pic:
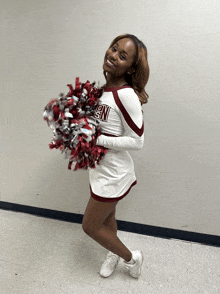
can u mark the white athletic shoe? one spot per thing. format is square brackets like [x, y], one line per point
[109, 265]
[135, 269]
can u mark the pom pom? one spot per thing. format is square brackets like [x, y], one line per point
[74, 127]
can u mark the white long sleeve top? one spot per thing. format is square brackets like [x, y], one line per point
[121, 119]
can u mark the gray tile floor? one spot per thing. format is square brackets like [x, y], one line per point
[40, 255]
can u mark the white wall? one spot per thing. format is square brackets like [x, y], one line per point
[46, 44]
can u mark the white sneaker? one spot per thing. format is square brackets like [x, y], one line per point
[135, 269]
[109, 265]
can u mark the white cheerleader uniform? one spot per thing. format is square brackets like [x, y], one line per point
[121, 120]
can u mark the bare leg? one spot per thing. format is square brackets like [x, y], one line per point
[94, 225]
[111, 222]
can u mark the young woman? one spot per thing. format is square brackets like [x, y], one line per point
[126, 71]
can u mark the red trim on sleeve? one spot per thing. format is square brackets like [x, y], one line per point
[104, 199]
[111, 89]
[126, 115]
[109, 135]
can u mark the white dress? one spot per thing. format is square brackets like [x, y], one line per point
[121, 120]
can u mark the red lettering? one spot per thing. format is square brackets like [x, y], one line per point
[102, 112]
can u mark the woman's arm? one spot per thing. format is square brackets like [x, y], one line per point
[121, 142]
[130, 112]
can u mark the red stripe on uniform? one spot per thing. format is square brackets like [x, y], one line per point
[127, 117]
[109, 135]
[104, 199]
[111, 89]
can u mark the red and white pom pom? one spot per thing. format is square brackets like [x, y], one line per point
[74, 127]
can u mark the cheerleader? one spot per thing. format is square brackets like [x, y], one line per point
[120, 114]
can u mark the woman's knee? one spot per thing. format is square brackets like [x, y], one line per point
[90, 228]
[110, 219]
[94, 216]
[86, 228]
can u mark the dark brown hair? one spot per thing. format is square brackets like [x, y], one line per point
[139, 78]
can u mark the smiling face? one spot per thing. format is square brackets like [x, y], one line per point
[119, 58]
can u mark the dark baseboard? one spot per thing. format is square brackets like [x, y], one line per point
[131, 227]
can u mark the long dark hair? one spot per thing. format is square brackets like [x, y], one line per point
[139, 78]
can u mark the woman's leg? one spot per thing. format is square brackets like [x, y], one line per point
[111, 222]
[96, 214]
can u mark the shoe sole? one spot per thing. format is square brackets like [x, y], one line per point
[140, 267]
[141, 262]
